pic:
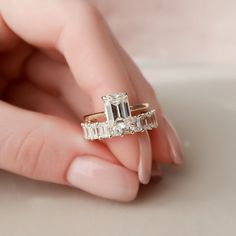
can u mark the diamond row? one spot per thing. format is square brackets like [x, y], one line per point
[102, 130]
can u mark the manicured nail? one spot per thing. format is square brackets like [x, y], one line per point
[102, 178]
[145, 158]
[156, 169]
[176, 149]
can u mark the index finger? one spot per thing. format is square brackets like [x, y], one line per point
[79, 32]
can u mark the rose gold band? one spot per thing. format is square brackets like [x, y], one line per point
[100, 116]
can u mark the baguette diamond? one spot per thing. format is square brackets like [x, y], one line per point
[134, 124]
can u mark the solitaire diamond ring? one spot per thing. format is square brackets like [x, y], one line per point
[119, 118]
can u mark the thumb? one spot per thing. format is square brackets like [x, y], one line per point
[46, 148]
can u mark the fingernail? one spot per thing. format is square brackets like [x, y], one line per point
[145, 158]
[103, 178]
[176, 149]
[156, 169]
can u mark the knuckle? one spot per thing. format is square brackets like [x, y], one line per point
[24, 152]
[90, 13]
[80, 9]
[93, 11]
[29, 153]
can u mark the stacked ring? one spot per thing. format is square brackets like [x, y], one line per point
[119, 118]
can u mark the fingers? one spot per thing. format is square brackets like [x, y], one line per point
[56, 78]
[96, 65]
[166, 145]
[95, 176]
[93, 60]
[78, 31]
[28, 96]
[45, 73]
[46, 148]
[40, 69]
[160, 144]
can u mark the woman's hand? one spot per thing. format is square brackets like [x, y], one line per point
[57, 58]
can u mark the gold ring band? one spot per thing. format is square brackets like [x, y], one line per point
[100, 116]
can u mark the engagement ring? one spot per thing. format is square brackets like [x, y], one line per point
[119, 118]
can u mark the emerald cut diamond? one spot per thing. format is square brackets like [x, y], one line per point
[116, 106]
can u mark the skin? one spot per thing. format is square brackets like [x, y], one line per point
[57, 58]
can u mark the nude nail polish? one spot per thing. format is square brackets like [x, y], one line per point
[102, 178]
[176, 149]
[145, 158]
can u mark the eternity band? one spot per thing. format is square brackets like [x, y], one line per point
[119, 118]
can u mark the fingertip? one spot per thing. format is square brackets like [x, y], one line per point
[145, 158]
[104, 179]
[126, 150]
[167, 147]
[160, 143]
[175, 145]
